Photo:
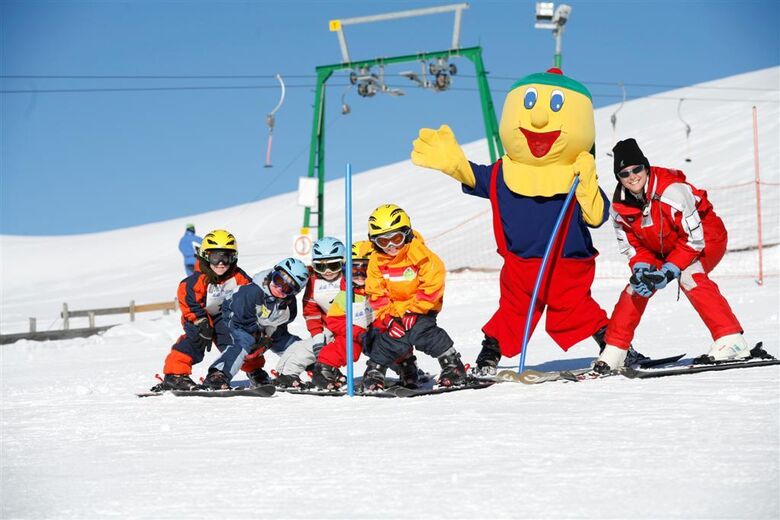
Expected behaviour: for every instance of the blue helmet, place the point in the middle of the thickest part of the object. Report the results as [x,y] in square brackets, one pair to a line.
[296,269]
[328,247]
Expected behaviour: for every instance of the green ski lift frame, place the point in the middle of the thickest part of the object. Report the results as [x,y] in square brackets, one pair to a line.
[324,72]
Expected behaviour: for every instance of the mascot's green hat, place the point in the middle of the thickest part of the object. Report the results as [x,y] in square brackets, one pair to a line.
[555,78]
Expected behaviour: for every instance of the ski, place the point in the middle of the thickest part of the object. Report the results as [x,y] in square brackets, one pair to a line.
[392,391]
[258,391]
[533,377]
[758,358]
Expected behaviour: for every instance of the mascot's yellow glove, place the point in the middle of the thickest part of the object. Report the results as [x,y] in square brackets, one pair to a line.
[587,191]
[439,150]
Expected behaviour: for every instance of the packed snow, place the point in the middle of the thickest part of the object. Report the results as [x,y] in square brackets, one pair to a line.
[77,443]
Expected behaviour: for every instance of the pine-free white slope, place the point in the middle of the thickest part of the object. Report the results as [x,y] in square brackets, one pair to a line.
[76,443]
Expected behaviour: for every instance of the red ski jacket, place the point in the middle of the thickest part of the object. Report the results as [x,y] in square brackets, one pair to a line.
[672,224]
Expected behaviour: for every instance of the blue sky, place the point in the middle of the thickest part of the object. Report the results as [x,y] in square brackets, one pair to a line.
[180,128]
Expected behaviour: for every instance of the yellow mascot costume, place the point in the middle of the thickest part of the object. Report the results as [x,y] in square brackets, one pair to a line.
[548,132]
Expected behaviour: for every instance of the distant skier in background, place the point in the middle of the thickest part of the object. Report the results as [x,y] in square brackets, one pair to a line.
[325,281]
[669,231]
[405,287]
[256,318]
[189,244]
[200,296]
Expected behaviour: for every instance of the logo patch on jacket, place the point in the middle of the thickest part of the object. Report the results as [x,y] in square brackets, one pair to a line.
[409,274]
[263,311]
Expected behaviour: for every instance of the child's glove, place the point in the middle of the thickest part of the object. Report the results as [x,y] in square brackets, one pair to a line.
[396,329]
[408,320]
[205,333]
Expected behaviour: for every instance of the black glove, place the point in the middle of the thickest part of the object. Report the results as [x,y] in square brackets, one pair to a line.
[205,333]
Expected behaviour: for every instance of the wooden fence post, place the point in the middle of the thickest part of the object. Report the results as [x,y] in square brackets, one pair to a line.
[132,310]
[91,319]
[32,325]
[65,317]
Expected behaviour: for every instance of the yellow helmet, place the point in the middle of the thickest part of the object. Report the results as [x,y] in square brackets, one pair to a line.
[386,218]
[362,250]
[218,239]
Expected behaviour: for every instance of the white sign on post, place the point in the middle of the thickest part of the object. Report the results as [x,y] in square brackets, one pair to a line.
[307,191]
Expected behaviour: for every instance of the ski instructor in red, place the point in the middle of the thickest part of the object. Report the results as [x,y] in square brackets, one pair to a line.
[548,131]
[669,231]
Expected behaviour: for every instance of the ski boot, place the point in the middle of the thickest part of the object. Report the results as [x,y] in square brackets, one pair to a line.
[175,382]
[488,358]
[258,377]
[453,373]
[374,377]
[408,374]
[327,377]
[632,357]
[289,381]
[216,380]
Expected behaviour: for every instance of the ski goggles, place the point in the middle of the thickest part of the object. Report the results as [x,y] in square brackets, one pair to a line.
[391,239]
[284,282]
[359,269]
[636,170]
[323,266]
[220,257]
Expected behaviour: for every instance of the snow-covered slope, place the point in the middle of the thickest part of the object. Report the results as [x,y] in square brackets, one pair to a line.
[142,263]
[76,442]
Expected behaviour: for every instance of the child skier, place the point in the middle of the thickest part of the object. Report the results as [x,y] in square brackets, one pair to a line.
[257,316]
[200,296]
[405,287]
[669,231]
[326,373]
[325,282]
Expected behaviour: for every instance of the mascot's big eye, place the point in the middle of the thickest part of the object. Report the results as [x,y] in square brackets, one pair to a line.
[556,100]
[530,98]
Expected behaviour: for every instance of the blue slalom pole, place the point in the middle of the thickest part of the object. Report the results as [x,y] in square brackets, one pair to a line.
[348,276]
[540,275]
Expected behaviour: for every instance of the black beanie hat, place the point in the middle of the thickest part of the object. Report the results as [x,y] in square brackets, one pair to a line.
[626,153]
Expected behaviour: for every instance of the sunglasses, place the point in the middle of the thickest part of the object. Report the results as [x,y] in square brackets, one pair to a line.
[284,282]
[623,174]
[393,238]
[220,257]
[323,266]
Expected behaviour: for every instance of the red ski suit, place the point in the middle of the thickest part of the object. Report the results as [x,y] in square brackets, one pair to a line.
[678,225]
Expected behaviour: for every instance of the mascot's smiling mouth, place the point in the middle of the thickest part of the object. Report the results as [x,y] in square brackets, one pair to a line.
[540,143]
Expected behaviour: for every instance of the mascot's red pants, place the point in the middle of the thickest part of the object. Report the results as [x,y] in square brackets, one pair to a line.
[572,313]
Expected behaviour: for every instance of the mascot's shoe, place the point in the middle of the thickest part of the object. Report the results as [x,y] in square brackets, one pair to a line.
[488,358]
[729,348]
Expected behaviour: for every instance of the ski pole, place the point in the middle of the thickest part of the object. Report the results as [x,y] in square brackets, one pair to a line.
[348,276]
[542,269]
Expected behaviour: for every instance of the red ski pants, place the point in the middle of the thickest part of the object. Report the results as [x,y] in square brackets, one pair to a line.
[702,292]
[335,353]
[572,313]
